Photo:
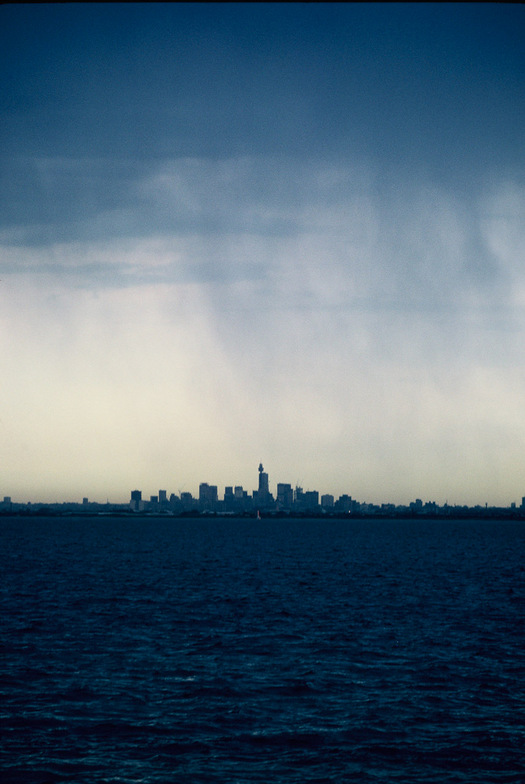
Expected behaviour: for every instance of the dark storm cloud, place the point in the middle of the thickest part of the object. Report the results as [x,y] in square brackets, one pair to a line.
[436,88]
[140,120]
[318,236]
[60,199]
[92,199]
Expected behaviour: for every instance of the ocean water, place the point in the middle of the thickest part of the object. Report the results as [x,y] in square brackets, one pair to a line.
[235,651]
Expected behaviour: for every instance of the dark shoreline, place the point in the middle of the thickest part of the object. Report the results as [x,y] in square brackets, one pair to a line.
[449,514]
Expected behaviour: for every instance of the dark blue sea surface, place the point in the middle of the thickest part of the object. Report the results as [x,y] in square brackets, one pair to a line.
[237,651]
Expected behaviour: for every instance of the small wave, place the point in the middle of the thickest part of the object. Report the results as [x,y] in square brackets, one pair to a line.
[295,740]
[296,688]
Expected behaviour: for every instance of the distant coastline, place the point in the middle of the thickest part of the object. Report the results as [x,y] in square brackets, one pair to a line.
[288,502]
[37,510]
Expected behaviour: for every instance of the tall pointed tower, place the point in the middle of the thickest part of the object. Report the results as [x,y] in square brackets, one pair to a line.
[263,484]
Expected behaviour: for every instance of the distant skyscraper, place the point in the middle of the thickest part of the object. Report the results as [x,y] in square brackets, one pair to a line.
[311,499]
[344,503]
[263,482]
[207,496]
[284,495]
[262,497]
[187,501]
[136,501]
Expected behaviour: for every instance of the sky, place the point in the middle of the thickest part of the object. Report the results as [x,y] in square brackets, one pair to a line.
[288,233]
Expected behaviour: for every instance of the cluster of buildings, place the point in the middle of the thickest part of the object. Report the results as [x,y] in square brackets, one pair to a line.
[288,500]
[237,501]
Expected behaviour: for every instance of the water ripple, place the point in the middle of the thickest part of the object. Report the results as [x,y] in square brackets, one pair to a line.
[202,651]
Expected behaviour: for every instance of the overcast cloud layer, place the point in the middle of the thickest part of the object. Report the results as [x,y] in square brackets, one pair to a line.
[282,233]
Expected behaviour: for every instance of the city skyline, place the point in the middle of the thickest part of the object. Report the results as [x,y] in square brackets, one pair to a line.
[238,499]
[288,232]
